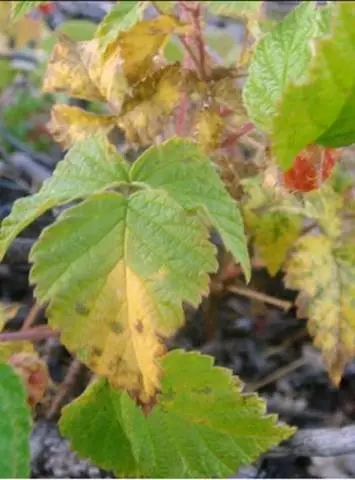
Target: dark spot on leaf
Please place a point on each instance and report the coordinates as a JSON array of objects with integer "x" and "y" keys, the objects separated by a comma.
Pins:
[
  {"x": 139, "y": 326},
  {"x": 203, "y": 390},
  {"x": 169, "y": 395},
  {"x": 116, "y": 327},
  {"x": 96, "y": 351},
  {"x": 81, "y": 309}
]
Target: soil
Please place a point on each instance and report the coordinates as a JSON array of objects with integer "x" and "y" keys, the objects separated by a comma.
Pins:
[{"x": 267, "y": 347}]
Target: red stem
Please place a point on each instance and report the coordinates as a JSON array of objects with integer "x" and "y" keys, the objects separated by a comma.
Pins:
[
  {"x": 181, "y": 115},
  {"x": 33, "y": 334},
  {"x": 244, "y": 129}
]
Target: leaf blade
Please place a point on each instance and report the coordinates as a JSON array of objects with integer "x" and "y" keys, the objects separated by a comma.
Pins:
[
  {"x": 279, "y": 57},
  {"x": 121, "y": 17},
  {"x": 197, "y": 399},
  {"x": 180, "y": 168},
  {"x": 15, "y": 425},
  {"x": 325, "y": 272},
  {"x": 327, "y": 118},
  {"x": 88, "y": 167},
  {"x": 113, "y": 303}
]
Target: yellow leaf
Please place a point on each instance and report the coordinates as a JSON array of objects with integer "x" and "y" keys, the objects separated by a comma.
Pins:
[
  {"x": 123, "y": 346},
  {"x": 210, "y": 126},
  {"x": 224, "y": 89},
  {"x": 70, "y": 124},
  {"x": 7, "y": 349},
  {"x": 7, "y": 311},
  {"x": 68, "y": 72},
  {"x": 142, "y": 42},
  {"x": 325, "y": 274},
  {"x": 147, "y": 112},
  {"x": 274, "y": 234}
]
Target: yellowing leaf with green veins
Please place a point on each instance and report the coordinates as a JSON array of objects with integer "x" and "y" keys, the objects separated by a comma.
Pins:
[
  {"x": 274, "y": 234},
  {"x": 325, "y": 273},
  {"x": 70, "y": 124},
  {"x": 148, "y": 110},
  {"x": 324, "y": 206},
  {"x": 318, "y": 107},
  {"x": 121, "y": 17},
  {"x": 123, "y": 268},
  {"x": 15, "y": 425},
  {"x": 90, "y": 166},
  {"x": 202, "y": 426},
  {"x": 142, "y": 42},
  {"x": 189, "y": 176}
]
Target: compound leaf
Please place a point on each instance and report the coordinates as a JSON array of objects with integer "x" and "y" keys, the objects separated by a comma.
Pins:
[
  {"x": 180, "y": 168},
  {"x": 281, "y": 56},
  {"x": 123, "y": 267},
  {"x": 90, "y": 166},
  {"x": 274, "y": 234},
  {"x": 70, "y": 124},
  {"x": 325, "y": 273},
  {"x": 199, "y": 428},
  {"x": 319, "y": 108},
  {"x": 15, "y": 425}
]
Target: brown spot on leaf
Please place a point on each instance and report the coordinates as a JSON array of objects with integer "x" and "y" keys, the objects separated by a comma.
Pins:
[
  {"x": 116, "y": 327},
  {"x": 139, "y": 326},
  {"x": 81, "y": 309}
]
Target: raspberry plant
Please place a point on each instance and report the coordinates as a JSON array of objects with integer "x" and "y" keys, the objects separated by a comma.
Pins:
[{"x": 133, "y": 243}]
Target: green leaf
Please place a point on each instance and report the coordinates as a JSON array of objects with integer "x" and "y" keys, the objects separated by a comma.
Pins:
[
  {"x": 15, "y": 426},
  {"x": 202, "y": 425},
  {"x": 319, "y": 107},
  {"x": 281, "y": 56},
  {"x": 173, "y": 51},
  {"x": 149, "y": 231},
  {"x": 90, "y": 166},
  {"x": 78, "y": 30},
  {"x": 22, "y": 7},
  {"x": 123, "y": 266},
  {"x": 233, "y": 9},
  {"x": 181, "y": 169},
  {"x": 121, "y": 17}
]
